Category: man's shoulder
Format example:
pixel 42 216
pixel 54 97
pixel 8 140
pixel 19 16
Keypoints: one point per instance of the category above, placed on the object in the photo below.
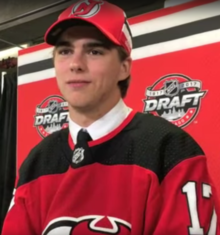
pixel 157 126
pixel 47 157
pixel 160 129
pixel 49 141
pixel 158 141
pixel 48 145
pixel 145 119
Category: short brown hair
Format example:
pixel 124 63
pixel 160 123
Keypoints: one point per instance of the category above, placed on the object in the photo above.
pixel 124 84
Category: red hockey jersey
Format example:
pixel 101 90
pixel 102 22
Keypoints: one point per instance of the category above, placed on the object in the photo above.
pixel 146 177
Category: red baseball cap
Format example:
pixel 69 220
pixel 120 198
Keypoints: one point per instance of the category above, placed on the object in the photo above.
pixel 108 18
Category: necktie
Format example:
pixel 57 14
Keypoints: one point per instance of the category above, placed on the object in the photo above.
pixel 82 153
pixel 83 136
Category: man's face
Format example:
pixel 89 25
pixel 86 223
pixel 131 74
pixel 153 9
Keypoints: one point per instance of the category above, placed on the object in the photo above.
pixel 87 71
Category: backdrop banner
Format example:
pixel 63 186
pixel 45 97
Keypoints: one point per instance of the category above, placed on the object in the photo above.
pixel 175 75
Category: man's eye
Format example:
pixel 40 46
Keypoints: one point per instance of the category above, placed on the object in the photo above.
pixel 65 51
pixel 96 52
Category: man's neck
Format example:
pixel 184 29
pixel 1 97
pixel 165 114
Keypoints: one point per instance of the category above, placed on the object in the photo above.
pixel 86 117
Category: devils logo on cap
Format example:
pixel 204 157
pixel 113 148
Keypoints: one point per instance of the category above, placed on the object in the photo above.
pixel 86 8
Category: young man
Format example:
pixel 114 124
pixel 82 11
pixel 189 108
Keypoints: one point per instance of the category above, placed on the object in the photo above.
pixel 113 171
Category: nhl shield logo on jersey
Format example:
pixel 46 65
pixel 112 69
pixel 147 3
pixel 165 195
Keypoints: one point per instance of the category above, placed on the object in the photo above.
pixel 88 225
pixel 86 8
pixel 175 97
pixel 51 115
pixel 78 155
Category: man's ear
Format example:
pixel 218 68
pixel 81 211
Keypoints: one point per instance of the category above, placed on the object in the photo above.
pixel 125 68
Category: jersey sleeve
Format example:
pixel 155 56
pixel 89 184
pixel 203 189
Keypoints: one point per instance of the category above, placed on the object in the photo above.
pixel 18 219
pixel 188 206
pixel 22 214
pixel 185 199
pixel 27 210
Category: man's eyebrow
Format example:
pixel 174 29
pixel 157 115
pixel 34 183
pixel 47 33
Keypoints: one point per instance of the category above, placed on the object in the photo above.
pixel 106 45
pixel 96 44
pixel 63 43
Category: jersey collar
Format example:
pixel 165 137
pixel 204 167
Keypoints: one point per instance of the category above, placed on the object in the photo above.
pixel 105 124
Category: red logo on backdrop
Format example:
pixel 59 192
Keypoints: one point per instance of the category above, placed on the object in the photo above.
pixel 51 115
pixel 87 8
pixel 176 98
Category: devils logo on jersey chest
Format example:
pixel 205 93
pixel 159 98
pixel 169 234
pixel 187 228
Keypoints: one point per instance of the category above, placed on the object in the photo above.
pixel 88 225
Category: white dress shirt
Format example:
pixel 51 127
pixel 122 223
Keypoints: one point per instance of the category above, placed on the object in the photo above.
pixel 105 124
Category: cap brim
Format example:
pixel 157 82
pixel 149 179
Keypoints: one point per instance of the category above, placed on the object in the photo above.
pixel 55 31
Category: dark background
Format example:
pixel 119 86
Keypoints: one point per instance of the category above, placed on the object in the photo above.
pixel 23 21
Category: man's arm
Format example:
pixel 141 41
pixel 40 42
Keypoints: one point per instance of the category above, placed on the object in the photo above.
pixel 27 213
pixel 18 219
pixel 188 204
pixel 185 200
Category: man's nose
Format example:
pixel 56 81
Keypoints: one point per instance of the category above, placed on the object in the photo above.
pixel 77 62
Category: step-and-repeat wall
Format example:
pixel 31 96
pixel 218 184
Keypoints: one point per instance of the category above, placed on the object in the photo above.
pixel 175 75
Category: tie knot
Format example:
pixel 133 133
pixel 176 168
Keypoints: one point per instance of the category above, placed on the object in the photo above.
pixel 83 136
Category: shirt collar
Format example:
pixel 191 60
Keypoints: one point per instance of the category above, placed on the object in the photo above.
pixel 105 124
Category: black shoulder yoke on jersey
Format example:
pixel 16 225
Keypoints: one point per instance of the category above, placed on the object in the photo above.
pixel 148 141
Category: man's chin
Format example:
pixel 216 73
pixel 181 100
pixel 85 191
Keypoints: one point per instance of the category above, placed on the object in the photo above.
pixel 80 106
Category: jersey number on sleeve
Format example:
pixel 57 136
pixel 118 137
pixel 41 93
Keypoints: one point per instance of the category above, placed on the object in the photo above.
pixel 191 194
